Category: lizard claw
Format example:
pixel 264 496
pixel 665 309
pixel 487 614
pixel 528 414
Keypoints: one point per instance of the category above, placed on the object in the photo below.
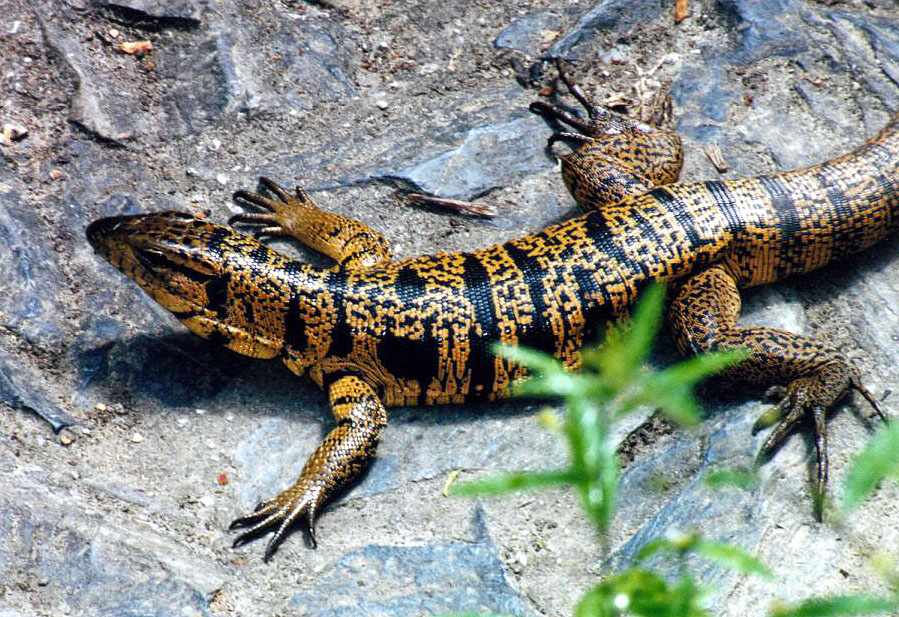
pixel 280 210
pixel 280 513
pixel 810 397
pixel 856 385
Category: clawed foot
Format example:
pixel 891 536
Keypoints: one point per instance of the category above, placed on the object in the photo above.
pixel 600 120
pixel 586 128
pixel 804 397
pixel 282 512
pixel 276 220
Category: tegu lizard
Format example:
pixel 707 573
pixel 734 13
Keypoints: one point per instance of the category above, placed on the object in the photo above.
pixel 374 332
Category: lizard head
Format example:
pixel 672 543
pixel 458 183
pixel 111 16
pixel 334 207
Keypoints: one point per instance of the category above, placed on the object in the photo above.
pixel 223 285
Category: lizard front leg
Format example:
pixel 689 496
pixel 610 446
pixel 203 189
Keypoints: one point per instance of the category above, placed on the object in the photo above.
pixel 349 242
pixel 703 317
pixel 344 453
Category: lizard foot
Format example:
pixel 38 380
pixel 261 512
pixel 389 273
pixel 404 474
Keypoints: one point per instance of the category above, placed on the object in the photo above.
pixel 280 211
pixel 301 500
pixel 811 396
pixel 587 128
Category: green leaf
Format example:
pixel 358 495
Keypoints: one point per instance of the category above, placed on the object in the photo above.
pixel 878 461
pixel 597 603
pixel 534 360
pixel 619 593
pixel 598 485
pixel 673 399
pixel 724 554
pixel 699 367
pixel 546 385
pixel 740 478
pixel 672 389
pixel 628 344
pixel 732 557
pixel 643 593
pixel 674 542
pixel 839 606
pixel 645 325
pixel 509 482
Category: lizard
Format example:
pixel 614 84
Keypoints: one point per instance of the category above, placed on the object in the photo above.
pixel 375 332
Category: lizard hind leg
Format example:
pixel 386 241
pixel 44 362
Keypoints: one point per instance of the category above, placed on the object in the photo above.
pixel 703 317
pixel 349 242
pixel 614 156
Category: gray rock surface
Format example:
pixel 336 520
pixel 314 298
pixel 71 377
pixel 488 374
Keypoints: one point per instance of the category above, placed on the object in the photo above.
pixel 353 99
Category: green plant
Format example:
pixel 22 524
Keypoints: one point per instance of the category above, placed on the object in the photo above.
pixel 614 382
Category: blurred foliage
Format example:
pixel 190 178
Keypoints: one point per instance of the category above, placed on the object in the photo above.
pixel 613 382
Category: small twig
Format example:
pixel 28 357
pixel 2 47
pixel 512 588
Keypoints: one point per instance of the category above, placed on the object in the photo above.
pixel 716 157
pixel 450 480
pixel 465 207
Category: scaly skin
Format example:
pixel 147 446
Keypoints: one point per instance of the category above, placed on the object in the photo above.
pixel 377 333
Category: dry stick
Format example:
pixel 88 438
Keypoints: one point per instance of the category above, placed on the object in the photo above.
pixel 714 154
pixel 465 207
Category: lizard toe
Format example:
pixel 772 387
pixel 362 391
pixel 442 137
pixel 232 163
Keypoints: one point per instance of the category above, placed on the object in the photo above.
pixel 280 514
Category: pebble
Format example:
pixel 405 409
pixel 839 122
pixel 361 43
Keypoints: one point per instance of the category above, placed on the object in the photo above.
pixel 382 104
pixel 56 174
pixel 137 438
pixel 14 132
pixel 101 407
pixel 66 437
pixel 221 179
pixel 182 422
pixel 207 500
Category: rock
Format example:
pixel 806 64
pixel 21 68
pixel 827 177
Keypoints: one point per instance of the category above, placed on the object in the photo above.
pixel 20 390
pixel 108 113
pixel 606 15
pixel 177 370
pixel 320 69
pixel 488 157
pixel 155 14
pixel 200 85
pixel 97 563
pixel 202 82
pixel 527 34
pixel 29 270
pixel 414 580
pixel 765 29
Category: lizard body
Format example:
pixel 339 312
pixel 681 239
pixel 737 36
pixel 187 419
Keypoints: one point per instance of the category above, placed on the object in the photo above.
pixel 377 333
